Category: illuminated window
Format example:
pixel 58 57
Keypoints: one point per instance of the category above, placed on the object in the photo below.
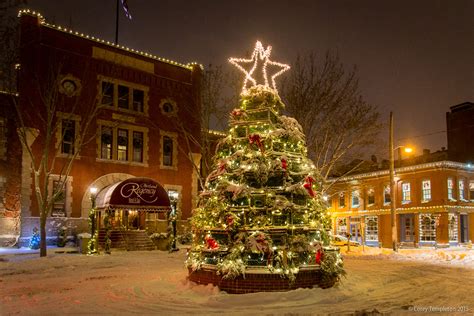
pixel 138 146
pixel 342 200
pixel 371 228
pixel 122 145
pixel 471 190
pixel 341 226
pixel 386 194
pixel 450 189
pixel 427 227
pixel 355 198
pixel 453 227
pixel 426 190
pixel 370 197
pixel 406 193
pixel 461 190
pixel 107 136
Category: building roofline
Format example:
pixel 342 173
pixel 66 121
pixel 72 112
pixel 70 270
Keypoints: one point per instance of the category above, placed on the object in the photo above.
pixel 445 164
pixel 43 22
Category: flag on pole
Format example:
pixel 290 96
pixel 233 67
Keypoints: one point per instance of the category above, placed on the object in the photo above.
pixel 125 9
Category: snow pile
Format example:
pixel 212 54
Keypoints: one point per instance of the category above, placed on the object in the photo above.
pixel 155 283
pixel 456 256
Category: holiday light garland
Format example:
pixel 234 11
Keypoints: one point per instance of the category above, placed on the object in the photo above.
pixel 108 43
pixel 262 55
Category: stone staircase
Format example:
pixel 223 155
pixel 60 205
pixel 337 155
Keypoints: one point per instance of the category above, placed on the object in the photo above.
pixel 129 240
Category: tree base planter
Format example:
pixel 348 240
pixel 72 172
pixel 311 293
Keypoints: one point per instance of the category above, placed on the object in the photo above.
pixel 257 280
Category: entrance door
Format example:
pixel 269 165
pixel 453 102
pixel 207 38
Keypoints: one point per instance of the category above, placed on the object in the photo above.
pixel 355 229
pixel 463 228
pixel 407 225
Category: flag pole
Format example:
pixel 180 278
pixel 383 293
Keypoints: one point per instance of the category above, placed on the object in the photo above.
pixel 116 22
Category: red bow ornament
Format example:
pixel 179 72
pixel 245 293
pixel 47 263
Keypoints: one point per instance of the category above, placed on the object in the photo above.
pixel 319 256
pixel 255 139
pixel 284 163
pixel 211 243
pixel 308 185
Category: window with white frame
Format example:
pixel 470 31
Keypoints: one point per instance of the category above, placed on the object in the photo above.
pixel 426 190
pixel 355 198
pixel 125 143
pixel 68 133
pixel 471 190
pixel 59 205
pixel 453 227
pixel 342 200
pixel 386 194
pixel 450 189
pixel 123 95
pixel 370 196
pixel 341 226
pixel 169 150
pixel 406 192
pixel 371 228
pixel 461 190
pixel 427 227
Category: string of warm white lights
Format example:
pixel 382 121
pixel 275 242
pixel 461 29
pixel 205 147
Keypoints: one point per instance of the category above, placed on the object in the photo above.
pixel 69 31
pixel 260 54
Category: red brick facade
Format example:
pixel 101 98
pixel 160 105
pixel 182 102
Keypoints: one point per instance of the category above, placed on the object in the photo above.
pixel 439 196
pixel 151 102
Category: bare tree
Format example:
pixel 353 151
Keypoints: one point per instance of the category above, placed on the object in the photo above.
pixel 53 135
pixel 326 100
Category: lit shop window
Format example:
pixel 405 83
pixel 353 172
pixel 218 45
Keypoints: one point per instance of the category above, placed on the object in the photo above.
pixel 427 227
pixel 453 227
pixel 426 190
pixel 371 228
pixel 341 227
pixel 406 192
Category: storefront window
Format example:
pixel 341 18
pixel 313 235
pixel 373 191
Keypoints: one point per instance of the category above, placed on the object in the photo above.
pixel 371 228
pixel 341 227
pixel 453 227
pixel 427 227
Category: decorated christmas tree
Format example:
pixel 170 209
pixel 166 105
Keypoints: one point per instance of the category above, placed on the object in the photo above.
pixel 261 223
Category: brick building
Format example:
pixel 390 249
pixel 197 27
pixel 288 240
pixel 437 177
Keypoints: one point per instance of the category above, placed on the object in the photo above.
pixel 148 106
pixel 434 205
pixel 460 130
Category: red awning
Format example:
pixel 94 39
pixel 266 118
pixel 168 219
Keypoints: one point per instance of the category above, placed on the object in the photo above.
pixel 142 194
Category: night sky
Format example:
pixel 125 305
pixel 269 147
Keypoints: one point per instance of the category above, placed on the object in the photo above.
pixel 413 57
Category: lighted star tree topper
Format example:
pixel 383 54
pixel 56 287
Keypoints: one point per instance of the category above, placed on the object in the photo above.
pixel 249 66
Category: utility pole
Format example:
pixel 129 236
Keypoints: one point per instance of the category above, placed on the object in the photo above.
pixel 392 187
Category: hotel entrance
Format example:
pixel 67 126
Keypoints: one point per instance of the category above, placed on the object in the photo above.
pixel 123 208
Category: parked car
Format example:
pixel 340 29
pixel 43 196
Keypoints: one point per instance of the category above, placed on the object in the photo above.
pixel 339 240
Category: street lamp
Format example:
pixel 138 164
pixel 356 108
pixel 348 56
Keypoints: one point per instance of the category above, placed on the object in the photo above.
pixel 392 182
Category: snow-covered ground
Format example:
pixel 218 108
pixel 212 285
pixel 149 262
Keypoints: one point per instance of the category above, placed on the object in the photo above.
pixel 425 280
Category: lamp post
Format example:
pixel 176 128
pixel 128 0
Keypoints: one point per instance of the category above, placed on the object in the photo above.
pixel 392 183
pixel 93 243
